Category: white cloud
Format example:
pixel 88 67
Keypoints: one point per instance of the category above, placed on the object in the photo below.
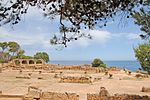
pixel 128 36
pixel 133 36
pixel 23 38
pixel 98 37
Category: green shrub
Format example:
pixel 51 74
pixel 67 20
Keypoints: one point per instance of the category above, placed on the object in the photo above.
pixel 98 63
pixel 103 65
pixel 142 53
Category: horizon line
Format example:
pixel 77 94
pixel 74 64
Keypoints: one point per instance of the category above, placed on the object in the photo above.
pixel 92 60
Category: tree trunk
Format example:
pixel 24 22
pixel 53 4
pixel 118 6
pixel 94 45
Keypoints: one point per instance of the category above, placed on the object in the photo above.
pixel 148 70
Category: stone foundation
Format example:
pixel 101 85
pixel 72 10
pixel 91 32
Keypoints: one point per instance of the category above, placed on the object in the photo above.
pixel 43 66
pixel 81 68
pixel 11 97
pixel 59 96
pixel 70 79
pixel 34 93
pixel 104 95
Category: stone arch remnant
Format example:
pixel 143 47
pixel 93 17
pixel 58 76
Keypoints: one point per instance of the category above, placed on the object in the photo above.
pixel 24 62
pixel 39 61
pixel 31 62
pixel 17 62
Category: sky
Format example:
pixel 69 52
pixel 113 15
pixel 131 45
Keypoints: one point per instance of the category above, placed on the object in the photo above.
pixel 113 42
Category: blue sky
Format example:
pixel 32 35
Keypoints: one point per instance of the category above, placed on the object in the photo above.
pixel 114 42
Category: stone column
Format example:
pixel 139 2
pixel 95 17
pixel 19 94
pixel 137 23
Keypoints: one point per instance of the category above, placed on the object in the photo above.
pixel 20 61
pixel 27 61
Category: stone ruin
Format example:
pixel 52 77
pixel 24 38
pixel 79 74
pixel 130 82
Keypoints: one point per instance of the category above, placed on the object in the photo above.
pixel 73 79
pixel 104 95
pixel 36 94
pixel 10 97
pixel 79 79
pixel 25 63
pixel 59 96
pixel 33 93
pixel 145 89
pixel 39 64
pixel 142 75
pixel 81 68
pixel 114 69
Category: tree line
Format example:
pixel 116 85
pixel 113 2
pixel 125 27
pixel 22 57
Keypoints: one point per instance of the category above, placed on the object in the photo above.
pixel 12 50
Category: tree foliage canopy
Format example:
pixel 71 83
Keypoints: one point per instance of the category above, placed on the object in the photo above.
pixel 42 55
pixel 142 18
pixel 12 50
pixel 8 50
pixel 80 14
pixel 98 63
pixel 142 52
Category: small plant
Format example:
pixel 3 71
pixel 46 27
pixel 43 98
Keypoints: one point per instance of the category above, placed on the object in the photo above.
pixel 106 72
pixel 29 74
pixel 129 72
pixel 40 72
pixel 110 76
pixel 61 72
pixel 20 71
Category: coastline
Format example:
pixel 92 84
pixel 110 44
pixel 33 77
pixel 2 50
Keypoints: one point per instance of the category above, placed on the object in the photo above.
pixel 131 65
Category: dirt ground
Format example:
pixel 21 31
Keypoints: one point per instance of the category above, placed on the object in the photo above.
pixel 120 83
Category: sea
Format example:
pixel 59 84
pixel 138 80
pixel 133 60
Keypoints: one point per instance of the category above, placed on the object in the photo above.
pixel 131 65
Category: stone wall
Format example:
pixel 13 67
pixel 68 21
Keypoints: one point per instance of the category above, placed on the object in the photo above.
pixel 114 69
pixel 70 79
pixel 43 66
pixel 59 96
pixel 11 97
pixel 81 68
pixel 34 93
pixel 104 95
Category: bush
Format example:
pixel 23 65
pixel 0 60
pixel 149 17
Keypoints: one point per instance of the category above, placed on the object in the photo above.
pixel 98 63
pixel 142 53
